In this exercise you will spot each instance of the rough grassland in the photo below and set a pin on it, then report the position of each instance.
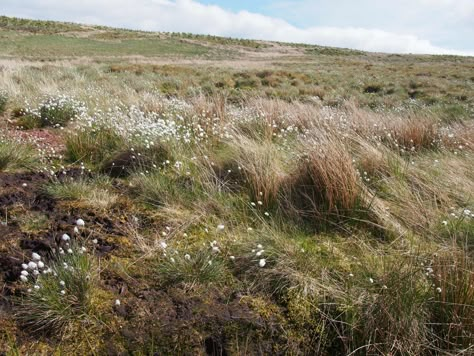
(179, 194)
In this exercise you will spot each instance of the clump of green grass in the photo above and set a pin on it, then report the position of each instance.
(93, 146)
(161, 188)
(129, 160)
(61, 301)
(452, 113)
(95, 193)
(202, 267)
(29, 121)
(452, 305)
(393, 310)
(16, 155)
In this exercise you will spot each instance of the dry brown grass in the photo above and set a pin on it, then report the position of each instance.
(263, 167)
(414, 132)
(325, 181)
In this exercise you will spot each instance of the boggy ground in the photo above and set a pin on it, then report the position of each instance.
(187, 319)
(162, 200)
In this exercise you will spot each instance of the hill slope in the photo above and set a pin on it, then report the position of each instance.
(181, 194)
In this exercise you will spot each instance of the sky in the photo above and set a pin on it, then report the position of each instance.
(392, 26)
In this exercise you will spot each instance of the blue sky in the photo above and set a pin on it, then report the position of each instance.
(396, 26)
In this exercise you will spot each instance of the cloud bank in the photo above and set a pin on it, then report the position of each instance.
(193, 16)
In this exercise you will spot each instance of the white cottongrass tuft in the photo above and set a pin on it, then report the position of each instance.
(80, 222)
(262, 262)
(35, 256)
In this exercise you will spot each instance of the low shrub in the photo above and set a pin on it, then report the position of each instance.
(373, 89)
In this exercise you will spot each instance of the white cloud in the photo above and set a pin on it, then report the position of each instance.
(192, 16)
(445, 23)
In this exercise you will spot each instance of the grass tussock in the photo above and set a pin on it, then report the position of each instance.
(325, 182)
(95, 193)
(92, 146)
(201, 267)
(453, 311)
(166, 189)
(414, 133)
(125, 162)
(61, 301)
(15, 155)
(262, 167)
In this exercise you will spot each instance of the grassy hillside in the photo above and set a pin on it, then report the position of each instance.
(182, 194)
